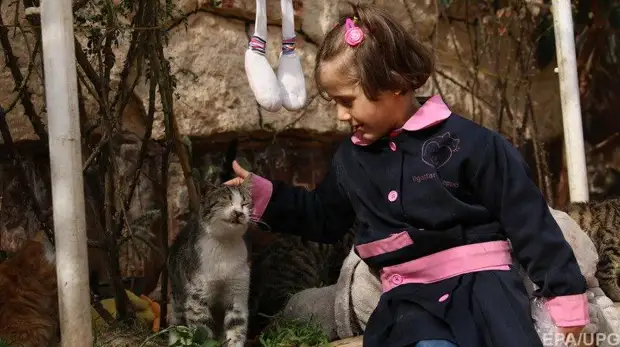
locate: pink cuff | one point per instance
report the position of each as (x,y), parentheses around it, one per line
(569,310)
(261,194)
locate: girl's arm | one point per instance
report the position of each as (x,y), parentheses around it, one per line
(502,180)
(322,215)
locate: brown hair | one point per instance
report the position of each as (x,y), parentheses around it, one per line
(389,58)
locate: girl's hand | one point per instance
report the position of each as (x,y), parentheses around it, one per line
(241,173)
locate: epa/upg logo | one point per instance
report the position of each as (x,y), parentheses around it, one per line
(596,339)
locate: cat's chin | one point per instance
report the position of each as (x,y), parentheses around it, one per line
(233,226)
(237,224)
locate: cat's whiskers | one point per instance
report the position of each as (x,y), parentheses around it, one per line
(259,222)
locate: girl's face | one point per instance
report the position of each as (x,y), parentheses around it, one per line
(369,120)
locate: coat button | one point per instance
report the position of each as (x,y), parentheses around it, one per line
(444,297)
(393,196)
(393,146)
(396,279)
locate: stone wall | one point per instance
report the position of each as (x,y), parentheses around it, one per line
(214,95)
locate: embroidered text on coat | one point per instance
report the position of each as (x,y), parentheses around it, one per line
(432,175)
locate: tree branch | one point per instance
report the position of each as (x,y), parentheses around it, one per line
(20,82)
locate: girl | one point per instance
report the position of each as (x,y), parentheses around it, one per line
(442,203)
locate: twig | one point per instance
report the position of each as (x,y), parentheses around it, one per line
(130,69)
(88,69)
(35,21)
(24,84)
(102,142)
(143,146)
(601,145)
(162,72)
(132,235)
(434,46)
(12,64)
(82,113)
(120,297)
(163,199)
(147,242)
(108,60)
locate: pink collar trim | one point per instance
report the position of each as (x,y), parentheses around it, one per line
(432,112)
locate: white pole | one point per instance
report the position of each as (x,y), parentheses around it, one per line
(66,172)
(569,94)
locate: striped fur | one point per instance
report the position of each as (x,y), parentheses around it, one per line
(290,265)
(209,268)
(601,221)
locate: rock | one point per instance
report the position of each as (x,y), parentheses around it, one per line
(312,302)
(350,342)
(214,94)
(214,97)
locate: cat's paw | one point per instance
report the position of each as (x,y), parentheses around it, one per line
(234,339)
(235,343)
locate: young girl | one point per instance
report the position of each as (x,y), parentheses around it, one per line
(441,203)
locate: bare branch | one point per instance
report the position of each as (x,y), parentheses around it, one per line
(20,82)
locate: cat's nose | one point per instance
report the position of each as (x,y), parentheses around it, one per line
(237,215)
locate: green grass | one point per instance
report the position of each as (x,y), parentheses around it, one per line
(126,336)
(281,333)
(294,333)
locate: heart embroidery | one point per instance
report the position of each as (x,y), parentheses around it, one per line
(437,151)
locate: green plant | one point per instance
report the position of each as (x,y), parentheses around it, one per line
(187,337)
(294,333)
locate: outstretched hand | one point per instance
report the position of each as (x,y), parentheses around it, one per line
(241,173)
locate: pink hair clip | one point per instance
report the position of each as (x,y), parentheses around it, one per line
(353,35)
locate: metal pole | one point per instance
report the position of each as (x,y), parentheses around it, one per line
(66,172)
(571,106)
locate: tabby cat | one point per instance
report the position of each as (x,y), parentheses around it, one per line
(28,296)
(289,265)
(209,268)
(601,221)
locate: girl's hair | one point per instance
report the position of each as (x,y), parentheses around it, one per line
(388,59)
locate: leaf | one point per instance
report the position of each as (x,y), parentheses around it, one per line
(201,335)
(211,343)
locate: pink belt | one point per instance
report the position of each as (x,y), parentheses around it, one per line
(493,255)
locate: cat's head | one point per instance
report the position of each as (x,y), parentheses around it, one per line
(227,209)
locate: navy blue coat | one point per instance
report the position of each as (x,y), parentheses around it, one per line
(447,182)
